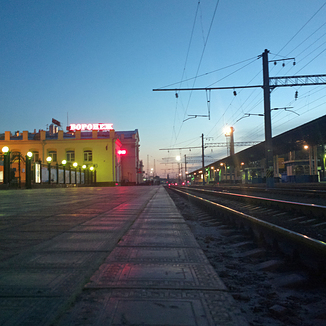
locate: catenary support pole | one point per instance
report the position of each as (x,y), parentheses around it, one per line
(268,123)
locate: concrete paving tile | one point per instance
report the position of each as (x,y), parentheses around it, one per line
(81,236)
(18,244)
(53,260)
(160,216)
(159,232)
(158,275)
(29,311)
(154,308)
(161,255)
(75,215)
(161,226)
(78,245)
(13,235)
(96,228)
(42,227)
(40,282)
(158,221)
(107,221)
(158,241)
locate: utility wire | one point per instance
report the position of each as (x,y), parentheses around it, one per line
(200,61)
(302,27)
(306,40)
(207,73)
(184,69)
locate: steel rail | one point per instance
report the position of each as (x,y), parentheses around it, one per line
(302,191)
(310,251)
(310,209)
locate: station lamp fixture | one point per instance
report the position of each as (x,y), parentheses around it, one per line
(84,166)
(305,146)
(227,130)
(49,159)
(91,168)
(29,154)
(75,164)
(64,162)
(5,149)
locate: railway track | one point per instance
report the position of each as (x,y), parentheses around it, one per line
(315,195)
(298,230)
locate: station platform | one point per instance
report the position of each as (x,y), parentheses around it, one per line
(105,256)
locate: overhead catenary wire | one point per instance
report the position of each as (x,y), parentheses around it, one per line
(301,28)
(199,65)
(254,102)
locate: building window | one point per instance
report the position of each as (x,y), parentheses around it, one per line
(35,157)
(88,156)
(53,155)
(70,156)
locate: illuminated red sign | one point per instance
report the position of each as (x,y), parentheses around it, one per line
(91,126)
(122,152)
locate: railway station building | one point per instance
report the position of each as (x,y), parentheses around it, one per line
(112,155)
(299,155)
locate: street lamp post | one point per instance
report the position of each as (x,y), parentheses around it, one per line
(49,159)
(57,169)
(6,164)
(91,169)
(75,164)
(64,162)
(84,169)
(28,170)
(69,173)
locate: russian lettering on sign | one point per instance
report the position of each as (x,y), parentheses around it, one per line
(91,126)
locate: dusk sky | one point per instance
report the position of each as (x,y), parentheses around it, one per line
(99,61)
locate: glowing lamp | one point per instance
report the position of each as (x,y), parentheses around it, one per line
(91,168)
(5,149)
(84,166)
(228,130)
(305,147)
(29,154)
(49,159)
(75,164)
(64,162)
(122,152)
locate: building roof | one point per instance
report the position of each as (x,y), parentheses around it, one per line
(311,133)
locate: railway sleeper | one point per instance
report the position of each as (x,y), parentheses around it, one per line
(297,248)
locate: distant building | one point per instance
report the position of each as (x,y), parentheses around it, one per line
(113,155)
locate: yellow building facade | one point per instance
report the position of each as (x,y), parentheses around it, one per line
(96,148)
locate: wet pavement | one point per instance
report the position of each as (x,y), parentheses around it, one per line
(104,256)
